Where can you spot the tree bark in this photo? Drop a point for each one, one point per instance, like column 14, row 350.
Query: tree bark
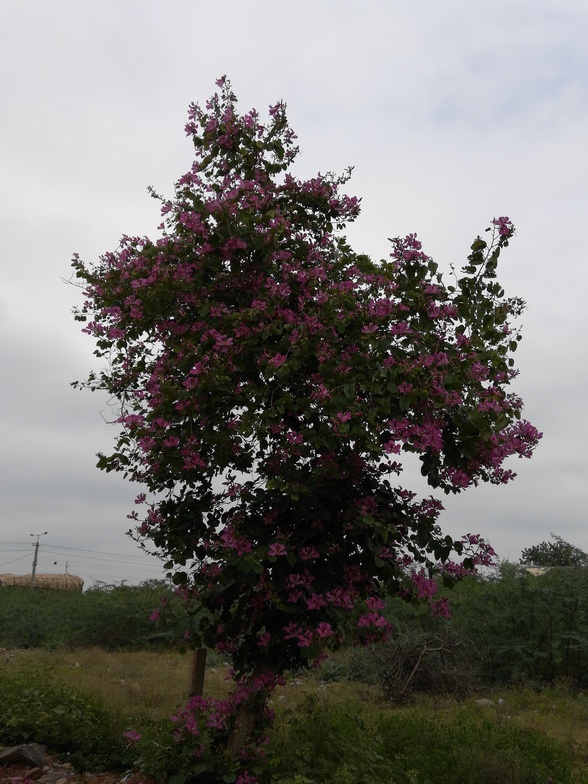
column 196, row 684
column 249, row 716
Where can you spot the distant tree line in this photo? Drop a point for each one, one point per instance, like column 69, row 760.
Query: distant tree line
column 555, row 553
column 512, row 627
column 110, row 616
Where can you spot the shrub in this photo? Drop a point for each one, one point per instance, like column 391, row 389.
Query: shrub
column 352, row 744
column 111, row 616
column 529, row 629
column 75, row 726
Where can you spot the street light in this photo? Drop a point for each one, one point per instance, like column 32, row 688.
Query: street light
column 36, row 545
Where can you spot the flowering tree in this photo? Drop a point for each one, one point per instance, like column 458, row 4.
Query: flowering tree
column 267, row 378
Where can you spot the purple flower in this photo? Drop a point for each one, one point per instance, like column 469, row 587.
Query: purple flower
column 277, row 360
column 277, row 549
column 324, row 630
column 504, row 226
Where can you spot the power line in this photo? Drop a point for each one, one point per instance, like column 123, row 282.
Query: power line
column 97, row 552
column 121, row 563
column 15, row 551
column 56, row 548
column 133, row 566
column 5, row 563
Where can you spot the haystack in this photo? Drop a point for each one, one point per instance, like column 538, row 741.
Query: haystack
column 61, row 582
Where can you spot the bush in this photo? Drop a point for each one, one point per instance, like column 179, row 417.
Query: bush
column 528, row 629
column 108, row 616
column 425, row 655
column 74, row 726
column 351, row 744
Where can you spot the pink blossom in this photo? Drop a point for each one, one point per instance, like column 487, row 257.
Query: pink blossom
column 146, row 443
column 246, row 778
column 374, row 619
column 458, row 478
column 316, row 601
column 277, row 360
column 324, row 630
column 504, row 226
column 309, row 553
column 440, row 608
column 277, row 549
column 426, row 587
column 216, row 721
column 305, row 639
column 291, row 630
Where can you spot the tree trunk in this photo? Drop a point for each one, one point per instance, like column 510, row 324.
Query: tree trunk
column 249, row 716
column 196, row 684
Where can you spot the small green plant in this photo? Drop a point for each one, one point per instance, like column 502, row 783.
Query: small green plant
column 73, row 725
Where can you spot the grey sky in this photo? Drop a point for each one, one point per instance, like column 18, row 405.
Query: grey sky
column 452, row 113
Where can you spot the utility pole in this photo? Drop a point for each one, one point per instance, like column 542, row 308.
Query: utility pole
column 36, row 546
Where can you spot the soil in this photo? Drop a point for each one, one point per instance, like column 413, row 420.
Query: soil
column 53, row 772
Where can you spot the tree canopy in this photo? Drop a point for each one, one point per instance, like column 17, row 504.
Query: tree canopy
column 268, row 379
column 555, row 553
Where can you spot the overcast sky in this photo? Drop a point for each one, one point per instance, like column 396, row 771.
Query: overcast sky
column 452, row 113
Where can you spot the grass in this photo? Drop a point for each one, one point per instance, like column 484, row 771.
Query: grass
column 344, row 732
column 133, row 683
column 155, row 684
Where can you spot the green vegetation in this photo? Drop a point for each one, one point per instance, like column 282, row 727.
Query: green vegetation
column 112, row 616
column 402, row 713
column 72, row 724
column 338, row 732
column 321, row 742
column 527, row 629
column 555, row 553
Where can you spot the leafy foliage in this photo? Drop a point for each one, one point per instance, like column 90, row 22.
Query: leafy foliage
column 36, row 709
column 267, row 377
column 556, row 553
column 528, row 629
column 116, row 616
column 351, row 742
column 508, row 629
column 346, row 744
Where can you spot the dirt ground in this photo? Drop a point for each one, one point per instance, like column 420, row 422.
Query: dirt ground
column 53, row 772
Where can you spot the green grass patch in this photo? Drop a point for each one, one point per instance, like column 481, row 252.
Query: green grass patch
column 79, row 703
column 351, row 743
column 75, row 726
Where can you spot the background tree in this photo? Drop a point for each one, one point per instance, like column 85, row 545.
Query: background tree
column 267, row 378
column 555, row 553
